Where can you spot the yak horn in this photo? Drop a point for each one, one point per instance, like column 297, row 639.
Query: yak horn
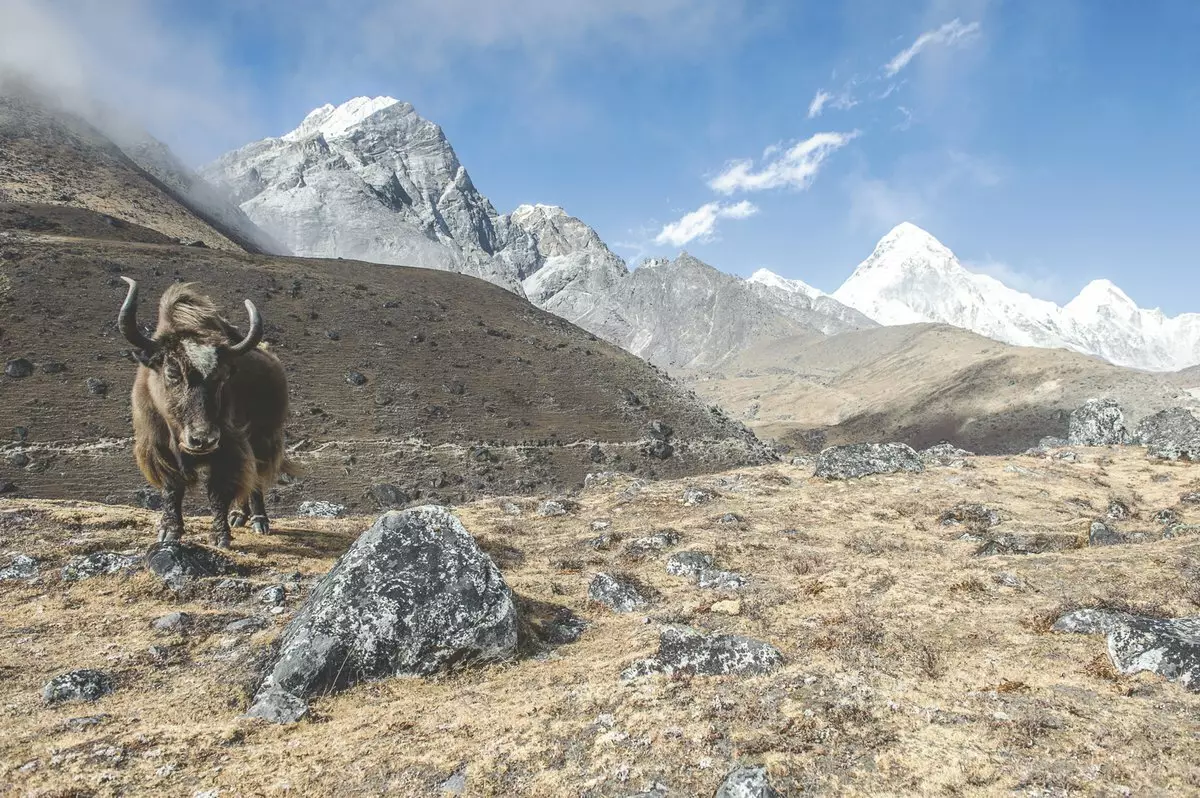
column 127, row 320
column 254, row 336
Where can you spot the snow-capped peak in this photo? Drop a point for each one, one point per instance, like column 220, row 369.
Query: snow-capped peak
column 772, row 280
column 1100, row 293
column 332, row 121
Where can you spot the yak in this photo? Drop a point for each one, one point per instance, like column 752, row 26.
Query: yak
column 208, row 398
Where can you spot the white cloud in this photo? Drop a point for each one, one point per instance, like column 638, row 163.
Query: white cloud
column 908, row 118
column 953, row 31
column 877, row 205
column 818, row 103
column 796, row 166
column 1042, row 286
column 702, row 223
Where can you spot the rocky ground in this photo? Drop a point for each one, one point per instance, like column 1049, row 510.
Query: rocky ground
column 890, row 634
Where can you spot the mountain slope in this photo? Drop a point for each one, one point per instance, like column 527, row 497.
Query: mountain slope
column 911, row 277
column 920, row 384
column 372, row 180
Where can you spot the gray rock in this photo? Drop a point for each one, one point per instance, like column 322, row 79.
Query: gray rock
column 684, row 650
column 81, row 685
column 251, row 624
column 747, row 782
column 660, row 430
column 320, row 509
column 1172, row 434
column 1169, row 647
column 977, row 517
column 18, row 460
column 274, row 595
column 176, row 562
column 944, row 455
column 7, row 487
column 551, row 508
column 1190, row 498
column 147, row 498
column 598, row 479
column 689, row 564
column 1101, row 534
column 855, row 460
column 659, row 450
column 18, row 368
column 356, row 378
column 389, row 496
column 97, row 386
column 716, row 579
column 1050, row 442
column 1118, row 510
column 693, row 497
column 640, row 548
column 1167, row 517
column 618, row 592
column 100, row 563
column 413, row 596
column 172, row 622
column 1037, row 543
column 730, row 518
column 1098, row 422
column 22, row 566
column 53, row 367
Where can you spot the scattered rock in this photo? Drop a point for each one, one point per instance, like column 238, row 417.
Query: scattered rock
column 730, row 518
column 53, row 367
column 413, row 595
column 18, row 460
column 748, row 782
column 356, row 378
column 510, row 508
column 693, row 497
column 176, row 562
column 1035, row 543
column 855, row 460
column 689, row 564
column 660, row 430
column 727, row 607
column 660, row 450
column 97, row 386
column 600, row 524
column 251, row 624
column 147, row 498
column 944, row 455
column 320, row 509
column 977, row 517
column 100, row 563
column 81, row 685
column 1051, row 442
column 22, row 566
column 177, row 622
column 639, row 548
column 1172, row 434
column 598, row 479
column 595, row 453
column 551, row 508
column 1101, row 534
column 1099, row 422
column 7, row 487
column 1118, row 510
column 273, row 595
column 388, row 496
column 1190, row 498
column 18, row 368
column 1181, row 530
column 604, row 542
column 618, row 592
column 716, row 579
column 684, row 650
column 1169, row 647
column 1167, row 517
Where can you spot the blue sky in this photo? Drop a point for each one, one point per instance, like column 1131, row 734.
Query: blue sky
column 1047, row 142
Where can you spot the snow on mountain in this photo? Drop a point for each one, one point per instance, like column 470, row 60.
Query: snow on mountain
column 371, row 179
column 911, row 277
column 772, row 280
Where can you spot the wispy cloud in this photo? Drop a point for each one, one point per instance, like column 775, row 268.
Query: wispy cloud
column 1042, row 286
column 953, row 31
column 818, row 103
column 795, row 167
column 701, row 223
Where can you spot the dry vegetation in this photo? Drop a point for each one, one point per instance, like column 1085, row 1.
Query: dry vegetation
column 913, row 667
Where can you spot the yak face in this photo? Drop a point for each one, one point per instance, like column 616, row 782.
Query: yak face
column 189, row 362
column 188, row 382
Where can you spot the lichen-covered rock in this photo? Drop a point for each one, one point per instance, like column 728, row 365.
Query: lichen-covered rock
column 1098, row 422
column 748, row 782
column 320, row 509
column 18, row 368
column 100, row 563
column 1033, row 543
column 387, row 495
column 693, row 497
column 1190, row 498
column 176, row 562
column 684, row 650
column 640, row 548
column 974, row 516
column 172, row 622
column 413, row 596
column 1101, row 534
column 22, row 566
column 701, row 567
column 551, row 508
column 944, row 455
column 854, row 460
column 618, row 592
column 1118, row 510
column 1169, row 647
column 1172, row 434
column 1167, row 517
column 81, row 685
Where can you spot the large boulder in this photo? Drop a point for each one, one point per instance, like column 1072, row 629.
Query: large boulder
column 619, row 592
column 81, row 685
column 684, row 650
column 1169, row 647
column 1098, row 422
column 748, row 782
column 176, row 562
column 1172, row 434
column 853, row 460
column 413, row 596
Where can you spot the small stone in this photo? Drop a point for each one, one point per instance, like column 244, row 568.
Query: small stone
column 944, row 455
column 100, row 563
column 356, row 378
column 600, row 524
column 1190, row 498
column 388, row 496
column 1118, row 510
column 53, row 367
column 320, row 509
column 251, row 624
column 976, row 517
column 639, row 548
column 658, row 449
column 682, row 649
column 727, row 607
column 22, row 566
column 18, row 368
column 333, row 335
column 730, row 518
column 97, row 386
column 172, row 622
column 603, row 542
column 176, row 562
column 748, row 782
column 7, row 487
column 273, row 595
column 1101, row 534
column 81, row 685
column 660, row 430
column 693, row 497
column 19, row 460
column 1167, row 517
column 689, row 563
column 618, row 592
column 551, row 508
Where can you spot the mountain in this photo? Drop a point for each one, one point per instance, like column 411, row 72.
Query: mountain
column 372, row 180
column 920, row 384
column 772, row 280
column 685, row 314
column 911, row 277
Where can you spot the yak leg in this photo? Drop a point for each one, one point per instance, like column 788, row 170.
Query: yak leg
column 258, row 507
column 221, row 493
column 170, row 524
column 240, row 515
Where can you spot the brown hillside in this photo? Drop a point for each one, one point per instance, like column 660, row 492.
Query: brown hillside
column 921, row 384
column 468, row 389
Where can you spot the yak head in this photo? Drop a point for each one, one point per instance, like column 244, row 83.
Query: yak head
column 189, row 361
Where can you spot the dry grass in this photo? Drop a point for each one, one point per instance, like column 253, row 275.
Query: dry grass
column 912, row 667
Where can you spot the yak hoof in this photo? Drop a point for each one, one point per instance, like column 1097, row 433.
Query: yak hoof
column 167, row 533
column 237, row 518
column 260, row 525
column 222, row 540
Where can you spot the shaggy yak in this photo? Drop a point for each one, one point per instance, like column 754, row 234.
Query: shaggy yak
column 206, row 396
